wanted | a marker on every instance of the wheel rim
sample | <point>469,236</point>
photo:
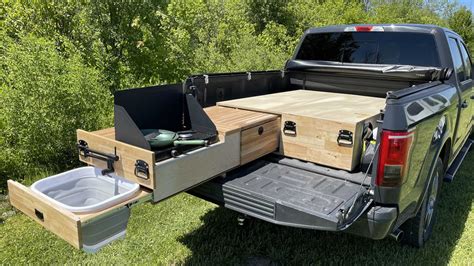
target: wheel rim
<point>431,201</point>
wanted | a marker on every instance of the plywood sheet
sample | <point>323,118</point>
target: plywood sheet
<point>339,107</point>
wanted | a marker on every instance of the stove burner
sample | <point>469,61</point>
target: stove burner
<point>164,153</point>
<point>186,135</point>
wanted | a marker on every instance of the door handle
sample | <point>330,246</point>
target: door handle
<point>464,104</point>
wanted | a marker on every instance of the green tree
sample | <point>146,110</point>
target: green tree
<point>44,98</point>
<point>462,23</point>
<point>405,11</point>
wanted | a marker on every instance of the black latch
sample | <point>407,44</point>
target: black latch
<point>142,169</point>
<point>191,90</point>
<point>85,151</point>
<point>345,138</point>
<point>289,128</point>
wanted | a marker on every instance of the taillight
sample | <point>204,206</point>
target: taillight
<point>394,153</point>
<point>364,28</point>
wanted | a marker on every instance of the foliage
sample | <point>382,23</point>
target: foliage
<point>44,98</point>
<point>462,22</point>
<point>88,48</point>
<point>407,11</point>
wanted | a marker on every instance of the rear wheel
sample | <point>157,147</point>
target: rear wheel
<point>418,229</point>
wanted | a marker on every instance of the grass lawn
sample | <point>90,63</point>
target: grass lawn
<point>186,229</point>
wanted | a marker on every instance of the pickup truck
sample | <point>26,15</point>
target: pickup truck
<point>424,130</point>
<point>420,76</point>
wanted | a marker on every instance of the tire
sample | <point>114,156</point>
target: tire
<point>418,229</point>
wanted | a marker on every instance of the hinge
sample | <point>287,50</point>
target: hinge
<point>206,79</point>
<point>249,75</point>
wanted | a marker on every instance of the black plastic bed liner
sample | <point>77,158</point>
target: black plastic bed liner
<point>295,197</point>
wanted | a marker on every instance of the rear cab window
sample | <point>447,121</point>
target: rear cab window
<point>394,48</point>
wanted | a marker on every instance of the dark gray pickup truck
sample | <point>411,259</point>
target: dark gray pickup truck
<point>425,74</point>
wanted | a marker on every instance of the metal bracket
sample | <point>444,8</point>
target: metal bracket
<point>344,138</point>
<point>142,169</point>
<point>191,90</point>
<point>289,128</point>
<point>206,79</point>
<point>249,75</point>
<point>282,73</point>
<point>85,151</point>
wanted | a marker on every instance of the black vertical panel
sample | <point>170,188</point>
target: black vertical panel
<point>157,107</point>
<point>228,86</point>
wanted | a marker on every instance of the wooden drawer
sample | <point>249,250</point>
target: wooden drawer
<point>316,140</point>
<point>168,177</point>
<point>259,140</point>
<point>72,227</point>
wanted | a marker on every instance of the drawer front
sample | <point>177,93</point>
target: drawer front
<point>315,140</point>
<point>259,140</point>
<point>60,222</point>
<point>103,141</point>
<point>191,169</point>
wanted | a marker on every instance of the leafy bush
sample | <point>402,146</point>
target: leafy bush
<point>45,96</point>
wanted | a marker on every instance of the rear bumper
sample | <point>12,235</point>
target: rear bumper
<point>376,223</point>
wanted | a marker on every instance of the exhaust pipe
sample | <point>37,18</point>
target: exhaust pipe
<point>397,234</point>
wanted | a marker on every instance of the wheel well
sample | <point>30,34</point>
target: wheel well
<point>445,153</point>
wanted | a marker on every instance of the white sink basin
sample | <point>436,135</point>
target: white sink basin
<point>85,189</point>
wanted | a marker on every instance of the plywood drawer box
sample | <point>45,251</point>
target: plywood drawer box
<point>259,140</point>
<point>168,177</point>
<point>318,140</point>
<point>259,132</point>
<point>320,127</point>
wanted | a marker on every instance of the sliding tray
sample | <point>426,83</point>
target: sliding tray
<point>87,230</point>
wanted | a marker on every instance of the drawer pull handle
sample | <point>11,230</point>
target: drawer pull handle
<point>142,170</point>
<point>39,215</point>
<point>344,138</point>
<point>260,130</point>
<point>289,128</point>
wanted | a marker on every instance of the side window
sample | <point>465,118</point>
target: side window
<point>457,60</point>
<point>467,61</point>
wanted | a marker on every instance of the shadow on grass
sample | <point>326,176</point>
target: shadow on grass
<point>221,241</point>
